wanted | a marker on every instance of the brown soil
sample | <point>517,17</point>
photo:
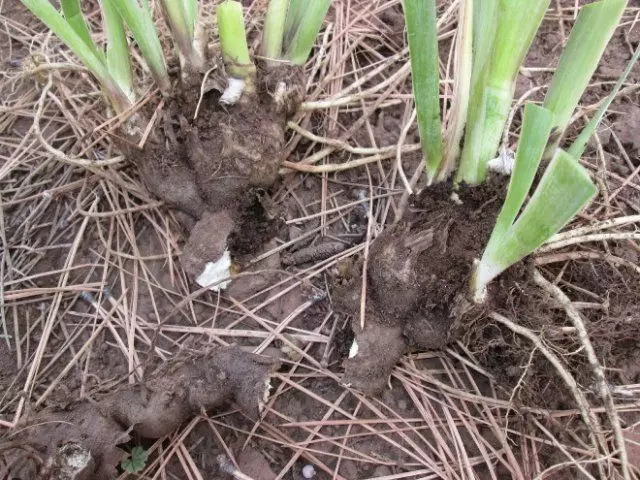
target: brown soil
<point>252,463</point>
<point>439,418</point>
<point>613,331</point>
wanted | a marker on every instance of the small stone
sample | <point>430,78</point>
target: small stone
<point>308,471</point>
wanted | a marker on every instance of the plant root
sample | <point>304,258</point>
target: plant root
<point>589,418</point>
<point>418,272</point>
<point>177,390</point>
<point>604,392</point>
<point>219,167</point>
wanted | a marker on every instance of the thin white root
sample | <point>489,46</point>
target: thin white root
<point>203,90</point>
<point>344,99</point>
<point>404,200</point>
<point>604,225</point>
<point>59,154</point>
<point>587,414</point>
<point>337,143</point>
<point>596,237</point>
<point>603,387</point>
<point>401,140</point>
<point>280,97</point>
<point>581,255</point>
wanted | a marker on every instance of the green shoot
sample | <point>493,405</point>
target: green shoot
<point>291,27</point>
<point>493,86</point>
<point>233,40</point>
<point>274,25</point>
<point>176,18</point>
<point>485,25</point>
<point>179,17</point>
<point>565,188</point>
<point>308,27</point>
<point>48,15</point>
<point>589,37</point>
<point>295,13</point>
<point>421,16</point>
<point>73,14</point>
<point>536,128</point>
<point>137,461</point>
<point>461,89</point>
<point>580,143</point>
<point>191,15</point>
<point>117,57</point>
<point>138,19</point>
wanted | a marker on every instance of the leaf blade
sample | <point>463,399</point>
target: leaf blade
<point>565,188</point>
<point>588,39</point>
<point>421,20</point>
<point>48,15</point>
<point>138,19</point>
<point>536,128</point>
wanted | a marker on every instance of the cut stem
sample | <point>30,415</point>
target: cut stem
<point>493,86</point>
<point>233,41</point>
<point>422,35</point>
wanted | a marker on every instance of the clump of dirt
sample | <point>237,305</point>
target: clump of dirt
<point>253,464</point>
<point>218,167</point>
<point>418,271</point>
<point>87,434</point>
<point>203,247</point>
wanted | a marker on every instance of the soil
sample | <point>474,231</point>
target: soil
<point>434,417</point>
<point>614,331</point>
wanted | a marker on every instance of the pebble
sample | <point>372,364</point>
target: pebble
<point>308,471</point>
